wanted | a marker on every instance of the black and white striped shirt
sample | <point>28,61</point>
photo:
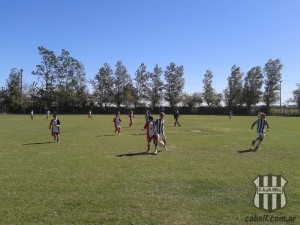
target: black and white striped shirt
<point>261,123</point>
<point>160,126</point>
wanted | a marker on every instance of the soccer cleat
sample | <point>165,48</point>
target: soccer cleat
<point>155,153</point>
<point>256,148</point>
<point>253,142</point>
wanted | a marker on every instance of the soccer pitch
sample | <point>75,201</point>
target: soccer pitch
<point>96,177</point>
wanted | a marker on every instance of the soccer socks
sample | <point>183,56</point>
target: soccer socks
<point>155,149</point>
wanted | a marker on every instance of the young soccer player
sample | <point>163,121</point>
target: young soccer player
<point>151,134</point>
<point>230,114</point>
<point>48,113</point>
<point>176,117</point>
<point>117,122</point>
<point>261,123</point>
<point>31,114</point>
<point>90,115</point>
<point>131,118</point>
<point>54,126</point>
<point>160,129</point>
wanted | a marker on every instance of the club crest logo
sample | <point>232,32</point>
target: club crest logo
<point>269,192</point>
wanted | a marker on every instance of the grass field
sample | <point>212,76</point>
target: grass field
<point>95,177</point>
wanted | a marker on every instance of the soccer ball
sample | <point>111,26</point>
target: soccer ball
<point>161,144</point>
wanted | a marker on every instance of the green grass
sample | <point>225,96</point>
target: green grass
<point>95,177</point>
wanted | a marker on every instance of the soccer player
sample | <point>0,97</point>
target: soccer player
<point>117,122</point>
<point>147,114</point>
<point>90,115</point>
<point>54,126</point>
<point>31,114</point>
<point>261,124</point>
<point>151,134</point>
<point>131,118</point>
<point>160,129</point>
<point>48,113</point>
<point>176,117</point>
<point>230,114</point>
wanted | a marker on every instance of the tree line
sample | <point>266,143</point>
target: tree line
<point>61,85</point>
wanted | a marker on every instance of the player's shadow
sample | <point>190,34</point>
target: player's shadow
<point>245,151</point>
<point>40,143</point>
<point>107,135</point>
<point>136,154</point>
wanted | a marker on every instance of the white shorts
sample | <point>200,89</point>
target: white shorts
<point>161,137</point>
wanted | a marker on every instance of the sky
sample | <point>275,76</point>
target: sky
<point>197,34</point>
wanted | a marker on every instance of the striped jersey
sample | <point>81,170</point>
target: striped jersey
<point>261,124</point>
<point>160,126</point>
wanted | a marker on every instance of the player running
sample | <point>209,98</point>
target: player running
<point>117,122</point>
<point>131,118</point>
<point>151,134</point>
<point>261,124</point>
<point>90,115</point>
<point>54,126</point>
<point>160,129</point>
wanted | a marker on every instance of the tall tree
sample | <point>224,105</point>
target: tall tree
<point>71,77</point>
<point>233,92</point>
<point>174,84</point>
<point>47,71</point>
<point>3,98</point>
<point>272,74</point>
<point>103,85</point>
<point>296,96</point>
<point>210,97</point>
<point>252,87</point>
<point>155,90</point>
<point>141,84</point>
<point>81,91</point>
<point>35,93</point>
<point>122,83</point>
<point>13,88</point>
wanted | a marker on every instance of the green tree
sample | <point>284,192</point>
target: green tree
<point>252,87</point>
<point>71,78</point>
<point>296,96</point>
<point>35,95</point>
<point>272,74</point>
<point>3,98</point>
<point>13,91</point>
<point>122,84</point>
<point>210,97</point>
<point>141,85</point>
<point>47,71</point>
<point>174,84</point>
<point>103,85</point>
<point>233,92</point>
<point>155,87</point>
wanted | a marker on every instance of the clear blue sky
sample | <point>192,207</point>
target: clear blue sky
<point>198,34</point>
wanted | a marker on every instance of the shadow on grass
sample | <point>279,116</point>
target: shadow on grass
<point>40,143</point>
<point>137,154</point>
<point>245,151</point>
<point>107,135</point>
